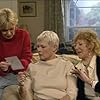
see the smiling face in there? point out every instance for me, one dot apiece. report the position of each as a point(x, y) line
point(8, 22)
point(9, 32)
point(45, 50)
point(82, 48)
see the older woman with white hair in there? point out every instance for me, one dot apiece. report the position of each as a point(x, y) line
point(49, 78)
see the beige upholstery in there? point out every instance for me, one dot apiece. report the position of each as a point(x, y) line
point(73, 58)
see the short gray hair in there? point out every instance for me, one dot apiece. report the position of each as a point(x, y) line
point(50, 37)
point(7, 18)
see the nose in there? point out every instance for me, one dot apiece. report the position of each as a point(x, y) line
point(39, 49)
point(8, 32)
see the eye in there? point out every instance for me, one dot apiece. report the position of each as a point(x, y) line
point(11, 29)
point(43, 46)
point(4, 30)
point(80, 43)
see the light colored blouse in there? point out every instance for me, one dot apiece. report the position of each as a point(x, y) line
point(89, 91)
point(52, 80)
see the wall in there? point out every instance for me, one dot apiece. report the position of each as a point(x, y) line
point(35, 24)
point(12, 4)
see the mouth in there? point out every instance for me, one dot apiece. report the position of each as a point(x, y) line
point(79, 52)
point(8, 37)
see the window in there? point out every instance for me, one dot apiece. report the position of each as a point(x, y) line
point(81, 14)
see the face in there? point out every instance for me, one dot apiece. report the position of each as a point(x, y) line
point(82, 49)
point(8, 33)
point(46, 51)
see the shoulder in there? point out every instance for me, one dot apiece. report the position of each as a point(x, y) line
point(22, 32)
point(32, 69)
point(33, 65)
point(65, 64)
point(70, 58)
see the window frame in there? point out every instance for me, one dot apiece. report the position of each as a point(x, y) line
point(67, 17)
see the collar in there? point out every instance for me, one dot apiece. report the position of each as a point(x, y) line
point(93, 62)
point(50, 62)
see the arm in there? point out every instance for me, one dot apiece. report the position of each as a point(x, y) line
point(83, 75)
point(25, 90)
point(71, 87)
point(26, 53)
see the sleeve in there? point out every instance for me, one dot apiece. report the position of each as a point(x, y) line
point(94, 83)
point(27, 90)
point(26, 53)
point(29, 94)
point(71, 83)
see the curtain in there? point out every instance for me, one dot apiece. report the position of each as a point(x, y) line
point(54, 18)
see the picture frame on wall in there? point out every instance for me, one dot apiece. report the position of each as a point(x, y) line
point(27, 9)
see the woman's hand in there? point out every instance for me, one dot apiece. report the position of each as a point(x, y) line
point(82, 74)
point(4, 66)
point(25, 85)
point(21, 80)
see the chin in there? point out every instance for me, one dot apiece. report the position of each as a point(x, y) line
point(9, 37)
point(80, 56)
point(42, 58)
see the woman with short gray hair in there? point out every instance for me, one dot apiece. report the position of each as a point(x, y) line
point(50, 77)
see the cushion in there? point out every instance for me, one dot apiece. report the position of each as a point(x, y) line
point(73, 58)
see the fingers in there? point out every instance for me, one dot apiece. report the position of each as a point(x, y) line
point(76, 71)
point(4, 66)
point(22, 77)
point(4, 63)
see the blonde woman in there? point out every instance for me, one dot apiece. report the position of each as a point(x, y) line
point(13, 42)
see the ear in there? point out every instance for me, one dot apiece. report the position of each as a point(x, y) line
point(55, 48)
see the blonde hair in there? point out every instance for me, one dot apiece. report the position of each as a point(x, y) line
point(7, 18)
point(91, 37)
point(50, 37)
